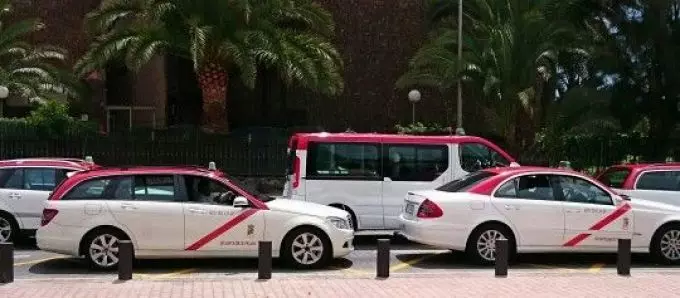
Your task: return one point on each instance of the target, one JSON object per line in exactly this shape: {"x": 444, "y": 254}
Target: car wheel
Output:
{"x": 102, "y": 249}
{"x": 665, "y": 246}
{"x": 481, "y": 246}
{"x": 306, "y": 248}
{"x": 8, "y": 228}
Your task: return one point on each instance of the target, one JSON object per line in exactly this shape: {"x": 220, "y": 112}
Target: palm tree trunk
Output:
{"x": 213, "y": 79}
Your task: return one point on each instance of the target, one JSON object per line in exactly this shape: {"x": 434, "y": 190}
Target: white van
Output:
{"x": 369, "y": 174}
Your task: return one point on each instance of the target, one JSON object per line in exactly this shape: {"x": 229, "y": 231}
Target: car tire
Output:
{"x": 306, "y": 248}
{"x": 103, "y": 241}
{"x": 9, "y": 230}
{"x": 665, "y": 245}
{"x": 481, "y": 251}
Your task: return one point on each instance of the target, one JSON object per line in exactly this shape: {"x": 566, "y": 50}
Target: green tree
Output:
{"x": 221, "y": 38}
{"x": 512, "y": 51}
{"x": 31, "y": 72}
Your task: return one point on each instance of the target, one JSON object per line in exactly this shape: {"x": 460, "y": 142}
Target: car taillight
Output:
{"x": 296, "y": 172}
{"x": 47, "y": 216}
{"x": 429, "y": 209}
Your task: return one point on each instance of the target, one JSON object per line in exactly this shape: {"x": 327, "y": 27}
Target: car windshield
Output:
{"x": 466, "y": 182}
{"x": 249, "y": 188}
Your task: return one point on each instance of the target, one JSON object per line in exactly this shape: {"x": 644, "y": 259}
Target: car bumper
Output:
{"x": 58, "y": 239}
{"x": 432, "y": 232}
{"x": 342, "y": 243}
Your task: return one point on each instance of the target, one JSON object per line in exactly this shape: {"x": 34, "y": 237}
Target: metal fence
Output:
{"x": 236, "y": 155}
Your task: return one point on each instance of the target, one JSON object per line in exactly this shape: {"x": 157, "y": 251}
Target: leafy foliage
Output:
{"x": 31, "y": 72}
{"x": 419, "y": 128}
{"x": 290, "y": 36}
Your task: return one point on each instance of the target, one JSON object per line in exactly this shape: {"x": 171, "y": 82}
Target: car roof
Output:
{"x": 74, "y": 163}
{"x": 528, "y": 169}
{"x": 349, "y": 136}
{"x": 139, "y": 170}
{"x": 648, "y": 165}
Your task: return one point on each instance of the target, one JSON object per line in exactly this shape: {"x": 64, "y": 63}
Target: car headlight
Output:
{"x": 340, "y": 223}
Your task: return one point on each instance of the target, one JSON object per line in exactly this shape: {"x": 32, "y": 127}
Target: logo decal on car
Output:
{"x": 251, "y": 229}
{"x": 599, "y": 225}
{"x": 222, "y": 229}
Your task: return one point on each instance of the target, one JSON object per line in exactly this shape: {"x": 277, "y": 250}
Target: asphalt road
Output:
{"x": 406, "y": 258}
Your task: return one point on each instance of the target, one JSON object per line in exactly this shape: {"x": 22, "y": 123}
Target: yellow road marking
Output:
{"x": 172, "y": 274}
{"x": 596, "y": 268}
{"x": 37, "y": 261}
{"x": 407, "y": 264}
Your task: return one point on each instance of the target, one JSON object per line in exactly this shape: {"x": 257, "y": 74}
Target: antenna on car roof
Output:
{"x": 212, "y": 166}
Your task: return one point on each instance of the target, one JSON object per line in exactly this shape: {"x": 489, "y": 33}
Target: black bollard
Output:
{"x": 264, "y": 264}
{"x": 383, "y": 269}
{"x": 501, "y": 257}
{"x": 125, "y": 259}
{"x": 623, "y": 259}
{"x": 6, "y": 262}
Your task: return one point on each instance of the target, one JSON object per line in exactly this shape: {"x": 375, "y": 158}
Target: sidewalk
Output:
{"x": 406, "y": 285}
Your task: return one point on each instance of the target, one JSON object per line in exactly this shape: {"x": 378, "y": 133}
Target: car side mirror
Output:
{"x": 241, "y": 202}
{"x": 625, "y": 197}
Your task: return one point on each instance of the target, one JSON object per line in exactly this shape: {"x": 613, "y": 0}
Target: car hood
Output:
{"x": 641, "y": 204}
{"x": 306, "y": 208}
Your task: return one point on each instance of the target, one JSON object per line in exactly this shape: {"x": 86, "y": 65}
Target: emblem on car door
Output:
{"x": 625, "y": 223}
{"x": 251, "y": 229}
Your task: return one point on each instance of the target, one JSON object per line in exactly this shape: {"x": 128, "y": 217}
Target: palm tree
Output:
{"x": 31, "y": 72}
{"x": 222, "y": 38}
{"x": 511, "y": 53}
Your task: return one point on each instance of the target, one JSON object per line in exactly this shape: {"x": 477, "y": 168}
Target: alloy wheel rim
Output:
{"x": 5, "y": 230}
{"x": 104, "y": 250}
{"x": 307, "y": 248}
{"x": 670, "y": 245}
{"x": 486, "y": 244}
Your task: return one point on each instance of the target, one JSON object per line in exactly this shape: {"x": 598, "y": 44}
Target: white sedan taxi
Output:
{"x": 538, "y": 210}
{"x": 185, "y": 212}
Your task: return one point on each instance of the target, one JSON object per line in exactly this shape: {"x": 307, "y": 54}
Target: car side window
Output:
{"x": 94, "y": 189}
{"x": 40, "y": 179}
{"x": 14, "y": 179}
{"x": 477, "y": 156}
{"x": 415, "y": 162}
{"x": 160, "y": 188}
{"x": 659, "y": 180}
{"x": 357, "y": 161}
{"x": 208, "y": 191}
{"x": 530, "y": 187}
{"x": 579, "y": 190}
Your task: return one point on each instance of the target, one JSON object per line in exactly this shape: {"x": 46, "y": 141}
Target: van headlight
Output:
{"x": 340, "y": 223}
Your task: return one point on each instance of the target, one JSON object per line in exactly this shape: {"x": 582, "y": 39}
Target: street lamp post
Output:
{"x": 413, "y": 97}
{"x": 459, "y": 112}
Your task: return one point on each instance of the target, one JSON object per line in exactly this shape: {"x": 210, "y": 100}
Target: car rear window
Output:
{"x": 659, "y": 180}
{"x": 614, "y": 178}
{"x": 466, "y": 182}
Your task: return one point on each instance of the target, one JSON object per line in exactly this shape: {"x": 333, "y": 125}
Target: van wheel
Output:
{"x": 306, "y": 248}
{"x": 481, "y": 246}
{"x": 8, "y": 228}
{"x": 665, "y": 246}
{"x": 102, "y": 248}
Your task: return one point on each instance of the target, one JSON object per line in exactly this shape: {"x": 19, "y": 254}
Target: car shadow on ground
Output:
{"x": 458, "y": 260}
{"x": 78, "y": 266}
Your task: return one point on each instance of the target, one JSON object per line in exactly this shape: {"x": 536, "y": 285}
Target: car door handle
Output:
{"x": 511, "y": 207}
{"x": 15, "y": 196}
{"x": 128, "y": 206}
{"x": 573, "y": 210}
{"x": 198, "y": 211}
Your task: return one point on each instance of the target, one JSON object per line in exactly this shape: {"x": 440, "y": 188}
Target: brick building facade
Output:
{"x": 376, "y": 38}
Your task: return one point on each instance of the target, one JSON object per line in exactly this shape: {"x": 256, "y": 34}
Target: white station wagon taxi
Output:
{"x": 185, "y": 212}
{"x": 538, "y": 210}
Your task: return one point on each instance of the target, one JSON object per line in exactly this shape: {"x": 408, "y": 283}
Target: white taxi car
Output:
{"x": 185, "y": 212}
{"x": 538, "y": 210}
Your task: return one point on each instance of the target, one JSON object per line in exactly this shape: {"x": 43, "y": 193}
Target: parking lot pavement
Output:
{"x": 407, "y": 259}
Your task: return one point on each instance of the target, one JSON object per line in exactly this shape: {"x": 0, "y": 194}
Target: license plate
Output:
{"x": 410, "y": 208}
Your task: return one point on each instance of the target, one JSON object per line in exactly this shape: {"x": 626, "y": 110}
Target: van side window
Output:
{"x": 343, "y": 160}
{"x": 659, "y": 180}
{"x": 415, "y": 162}
{"x": 476, "y": 156}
